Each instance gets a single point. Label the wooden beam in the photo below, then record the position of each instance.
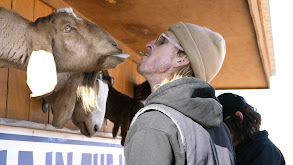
(266, 19)
(261, 38)
(56, 4)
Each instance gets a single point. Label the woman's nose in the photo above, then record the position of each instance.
(150, 45)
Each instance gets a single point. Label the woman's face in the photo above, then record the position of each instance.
(160, 57)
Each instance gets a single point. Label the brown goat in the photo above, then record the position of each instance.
(76, 92)
(142, 91)
(120, 110)
(77, 47)
(76, 44)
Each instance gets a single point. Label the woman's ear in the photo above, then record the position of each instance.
(182, 60)
(238, 113)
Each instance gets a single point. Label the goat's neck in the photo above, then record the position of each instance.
(15, 47)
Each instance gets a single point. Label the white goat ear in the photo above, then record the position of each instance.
(41, 73)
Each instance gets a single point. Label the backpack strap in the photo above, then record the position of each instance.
(168, 111)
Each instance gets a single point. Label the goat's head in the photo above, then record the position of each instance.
(77, 44)
(78, 96)
(91, 121)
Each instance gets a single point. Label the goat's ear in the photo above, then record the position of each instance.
(41, 73)
(65, 99)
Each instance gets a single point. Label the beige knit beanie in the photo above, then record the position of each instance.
(205, 49)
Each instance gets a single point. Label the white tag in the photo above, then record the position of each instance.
(41, 73)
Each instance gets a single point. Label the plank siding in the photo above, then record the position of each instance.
(3, 91)
(18, 93)
(6, 4)
(4, 74)
(119, 77)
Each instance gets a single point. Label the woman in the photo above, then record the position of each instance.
(252, 146)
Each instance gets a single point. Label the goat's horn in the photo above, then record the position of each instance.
(41, 73)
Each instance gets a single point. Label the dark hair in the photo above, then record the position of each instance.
(244, 129)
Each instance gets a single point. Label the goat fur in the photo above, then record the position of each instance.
(68, 92)
(77, 45)
(142, 91)
(66, 104)
(120, 109)
(84, 49)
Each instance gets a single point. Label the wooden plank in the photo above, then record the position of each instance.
(18, 96)
(261, 38)
(3, 91)
(130, 78)
(56, 4)
(4, 74)
(18, 93)
(41, 9)
(6, 4)
(266, 19)
(36, 113)
(119, 78)
(24, 7)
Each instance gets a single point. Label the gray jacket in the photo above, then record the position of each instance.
(193, 133)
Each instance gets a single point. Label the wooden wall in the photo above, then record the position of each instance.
(15, 101)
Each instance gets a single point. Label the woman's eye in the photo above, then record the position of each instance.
(67, 29)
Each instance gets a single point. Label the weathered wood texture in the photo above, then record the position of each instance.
(4, 74)
(15, 101)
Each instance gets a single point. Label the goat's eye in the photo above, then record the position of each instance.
(67, 29)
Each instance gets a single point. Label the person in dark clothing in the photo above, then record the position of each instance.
(252, 146)
(181, 122)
